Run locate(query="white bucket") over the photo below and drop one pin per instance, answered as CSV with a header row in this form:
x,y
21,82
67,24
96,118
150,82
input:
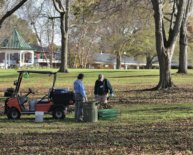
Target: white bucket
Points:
x,y
39,116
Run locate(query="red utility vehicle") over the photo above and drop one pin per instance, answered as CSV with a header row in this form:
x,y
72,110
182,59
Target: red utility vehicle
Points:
x,y
55,102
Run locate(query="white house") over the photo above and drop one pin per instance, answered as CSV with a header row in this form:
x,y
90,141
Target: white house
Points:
x,y
107,60
15,51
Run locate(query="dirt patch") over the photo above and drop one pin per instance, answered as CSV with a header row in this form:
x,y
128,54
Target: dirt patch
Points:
x,y
173,137
134,95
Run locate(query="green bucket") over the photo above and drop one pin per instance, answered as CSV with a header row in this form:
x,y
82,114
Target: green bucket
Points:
x,y
90,112
106,114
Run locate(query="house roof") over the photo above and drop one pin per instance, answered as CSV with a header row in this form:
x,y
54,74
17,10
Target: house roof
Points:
x,y
107,58
40,49
16,42
104,58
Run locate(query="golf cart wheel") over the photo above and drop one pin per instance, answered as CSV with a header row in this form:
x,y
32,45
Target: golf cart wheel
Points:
x,y
58,113
13,114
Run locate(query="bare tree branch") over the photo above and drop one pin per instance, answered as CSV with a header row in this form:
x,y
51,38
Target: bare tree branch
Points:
x,y
10,12
58,5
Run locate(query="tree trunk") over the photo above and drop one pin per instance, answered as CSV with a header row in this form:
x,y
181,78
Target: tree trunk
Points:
x,y
183,43
148,62
51,56
183,66
165,80
118,61
64,40
164,57
52,43
63,65
165,46
75,61
36,33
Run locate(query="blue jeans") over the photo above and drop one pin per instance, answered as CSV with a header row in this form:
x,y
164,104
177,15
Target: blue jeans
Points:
x,y
78,107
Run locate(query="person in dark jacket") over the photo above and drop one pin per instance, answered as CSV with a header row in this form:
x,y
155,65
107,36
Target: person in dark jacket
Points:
x,y
102,88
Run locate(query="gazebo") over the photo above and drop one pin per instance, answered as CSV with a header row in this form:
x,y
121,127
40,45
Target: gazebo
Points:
x,y
16,51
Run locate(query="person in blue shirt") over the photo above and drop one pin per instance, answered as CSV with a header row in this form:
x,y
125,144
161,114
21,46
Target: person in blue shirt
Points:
x,y
80,97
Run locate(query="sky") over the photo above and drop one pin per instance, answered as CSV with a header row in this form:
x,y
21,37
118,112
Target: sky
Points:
x,y
37,3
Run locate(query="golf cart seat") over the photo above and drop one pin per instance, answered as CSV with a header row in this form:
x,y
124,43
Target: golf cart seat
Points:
x,y
34,103
43,101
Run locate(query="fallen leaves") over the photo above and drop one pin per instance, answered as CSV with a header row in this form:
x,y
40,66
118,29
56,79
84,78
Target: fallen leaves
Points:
x,y
175,136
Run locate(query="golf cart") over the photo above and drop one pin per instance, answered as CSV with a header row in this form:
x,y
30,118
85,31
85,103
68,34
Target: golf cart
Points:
x,y
55,102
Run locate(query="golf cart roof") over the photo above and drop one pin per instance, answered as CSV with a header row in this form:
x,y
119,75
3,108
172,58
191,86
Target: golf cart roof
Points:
x,y
22,72
34,71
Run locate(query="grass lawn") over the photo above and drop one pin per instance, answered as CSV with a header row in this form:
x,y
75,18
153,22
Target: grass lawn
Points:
x,y
151,122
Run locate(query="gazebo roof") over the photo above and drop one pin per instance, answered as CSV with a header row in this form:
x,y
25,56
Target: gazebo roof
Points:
x,y
15,42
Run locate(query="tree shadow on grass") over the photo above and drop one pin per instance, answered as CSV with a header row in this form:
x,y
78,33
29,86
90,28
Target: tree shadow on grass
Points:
x,y
107,71
163,110
152,89
133,76
26,119
159,137
8,76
